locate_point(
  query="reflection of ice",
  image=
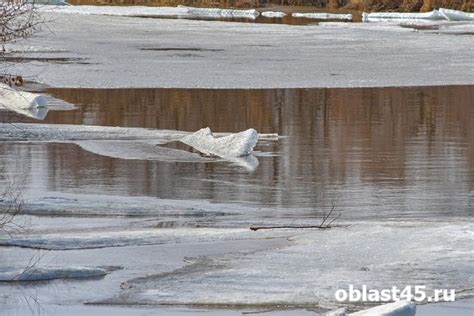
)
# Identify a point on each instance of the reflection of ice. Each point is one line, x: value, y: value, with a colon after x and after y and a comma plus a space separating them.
x: 36, y: 113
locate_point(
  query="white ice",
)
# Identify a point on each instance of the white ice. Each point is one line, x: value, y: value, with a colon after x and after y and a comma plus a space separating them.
x: 51, y: 273
x: 234, y: 145
x: 115, y: 10
x: 387, y: 16
x: 323, y: 16
x: 455, y: 15
x: 273, y: 14
x: 319, y: 262
x: 243, y: 55
x: 435, y: 15
x: 400, y: 308
x: 221, y: 13
x: 22, y: 102
x: 179, y: 11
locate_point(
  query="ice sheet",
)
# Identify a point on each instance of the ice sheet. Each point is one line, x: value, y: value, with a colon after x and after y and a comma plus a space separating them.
x: 51, y: 273
x: 273, y: 14
x: 401, y: 308
x: 455, y: 15
x: 221, y: 13
x: 387, y: 16
x: 323, y: 16
x: 317, y: 264
x: 282, y: 56
x: 115, y: 10
x: 22, y: 102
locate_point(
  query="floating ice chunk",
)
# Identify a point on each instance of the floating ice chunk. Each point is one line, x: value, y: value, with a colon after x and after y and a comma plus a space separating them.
x: 389, y: 16
x: 454, y: 15
x: 221, y: 13
x: 273, y: 14
x: 234, y: 145
x: 323, y: 16
x: 400, y: 308
x: 22, y: 102
x: 51, y: 273
x: 115, y: 10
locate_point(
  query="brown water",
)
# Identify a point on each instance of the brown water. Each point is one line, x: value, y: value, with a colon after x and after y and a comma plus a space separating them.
x: 374, y: 152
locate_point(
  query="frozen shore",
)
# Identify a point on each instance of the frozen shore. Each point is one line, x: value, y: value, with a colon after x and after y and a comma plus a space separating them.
x: 211, y: 54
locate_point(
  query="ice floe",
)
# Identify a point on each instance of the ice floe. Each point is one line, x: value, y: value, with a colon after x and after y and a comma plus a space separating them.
x: 273, y: 14
x: 22, y: 102
x: 400, y: 308
x: 50, y: 273
x: 318, y: 263
x: 141, y: 11
x: 144, y: 144
x: 115, y: 10
x: 234, y: 145
x: 455, y: 15
x: 221, y: 13
x: 323, y: 16
x: 131, y: 237
x: 441, y: 14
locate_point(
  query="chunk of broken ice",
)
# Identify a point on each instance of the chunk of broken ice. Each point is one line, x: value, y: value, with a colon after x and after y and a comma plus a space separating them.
x: 234, y: 145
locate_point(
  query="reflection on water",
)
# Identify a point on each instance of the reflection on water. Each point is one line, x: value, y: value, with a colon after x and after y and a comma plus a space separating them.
x: 384, y: 152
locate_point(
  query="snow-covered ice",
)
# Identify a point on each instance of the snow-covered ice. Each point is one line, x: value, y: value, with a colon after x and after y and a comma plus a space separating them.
x: 317, y: 263
x: 142, y: 11
x: 400, y: 308
x: 243, y: 55
x: 455, y: 15
x: 30, y: 274
x: 235, y: 145
x: 441, y: 14
x: 323, y: 16
x: 22, y: 102
x: 221, y: 13
x: 273, y: 14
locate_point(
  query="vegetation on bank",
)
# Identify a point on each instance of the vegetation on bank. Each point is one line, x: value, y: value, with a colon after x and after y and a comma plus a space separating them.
x: 362, y: 5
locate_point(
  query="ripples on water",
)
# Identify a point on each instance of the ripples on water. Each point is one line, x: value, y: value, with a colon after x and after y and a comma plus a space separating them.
x: 378, y: 153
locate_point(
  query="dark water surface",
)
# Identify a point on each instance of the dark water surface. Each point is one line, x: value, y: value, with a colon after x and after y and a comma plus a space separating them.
x: 374, y: 152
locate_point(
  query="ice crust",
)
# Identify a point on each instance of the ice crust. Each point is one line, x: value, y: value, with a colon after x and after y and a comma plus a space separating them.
x: 323, y: 16
x: 51, y: 273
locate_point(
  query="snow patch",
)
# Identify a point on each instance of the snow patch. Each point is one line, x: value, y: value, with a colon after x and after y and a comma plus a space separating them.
x: 51, y: 273
x: 323, y: 16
